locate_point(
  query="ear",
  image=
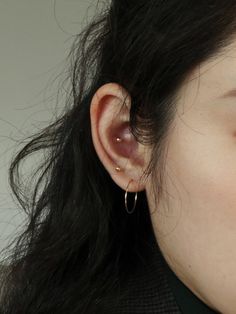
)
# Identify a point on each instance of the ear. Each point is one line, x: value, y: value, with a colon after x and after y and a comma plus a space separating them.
x: 109, y: 113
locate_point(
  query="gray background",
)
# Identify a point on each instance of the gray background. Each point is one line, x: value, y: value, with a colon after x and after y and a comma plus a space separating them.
x: 35, y: 38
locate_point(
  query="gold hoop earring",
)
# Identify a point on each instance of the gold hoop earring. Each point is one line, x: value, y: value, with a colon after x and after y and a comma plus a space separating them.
x: 118, y: 169
x: 135, y: 200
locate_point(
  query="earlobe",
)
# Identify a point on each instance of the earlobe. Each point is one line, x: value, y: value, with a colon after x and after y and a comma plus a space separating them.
x: 115, y: 145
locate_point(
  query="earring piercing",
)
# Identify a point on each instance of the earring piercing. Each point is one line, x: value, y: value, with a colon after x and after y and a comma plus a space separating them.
x: 118, y: 139
x: 135, y: 200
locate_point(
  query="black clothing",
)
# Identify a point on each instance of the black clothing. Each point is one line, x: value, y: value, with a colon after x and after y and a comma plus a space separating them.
x: 155, y: 289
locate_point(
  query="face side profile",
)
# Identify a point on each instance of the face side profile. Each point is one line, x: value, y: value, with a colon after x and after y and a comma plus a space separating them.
x: 195, y: 219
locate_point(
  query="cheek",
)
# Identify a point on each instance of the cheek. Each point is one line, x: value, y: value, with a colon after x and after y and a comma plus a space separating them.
x: 202, y: 168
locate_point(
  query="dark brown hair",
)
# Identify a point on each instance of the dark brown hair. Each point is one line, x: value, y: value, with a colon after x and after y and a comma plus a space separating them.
x: 79, y: 246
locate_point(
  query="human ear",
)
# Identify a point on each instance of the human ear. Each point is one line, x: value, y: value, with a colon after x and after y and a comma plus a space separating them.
x: 110, y: 121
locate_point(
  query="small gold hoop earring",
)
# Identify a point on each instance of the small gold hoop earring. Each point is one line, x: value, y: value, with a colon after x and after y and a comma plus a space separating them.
x: 135, y: 200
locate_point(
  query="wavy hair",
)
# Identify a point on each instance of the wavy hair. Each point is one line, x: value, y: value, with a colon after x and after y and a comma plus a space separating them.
x: 79, y: 247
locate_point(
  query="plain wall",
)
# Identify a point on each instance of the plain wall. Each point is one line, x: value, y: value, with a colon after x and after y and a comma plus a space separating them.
x: 35, y: 38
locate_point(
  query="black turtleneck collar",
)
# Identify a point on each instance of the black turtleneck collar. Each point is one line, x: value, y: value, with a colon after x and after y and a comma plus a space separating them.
x: 185, y: 298
x: 154, y: 288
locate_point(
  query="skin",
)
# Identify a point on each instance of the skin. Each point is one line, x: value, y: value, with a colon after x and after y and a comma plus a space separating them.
x: 195, y: 220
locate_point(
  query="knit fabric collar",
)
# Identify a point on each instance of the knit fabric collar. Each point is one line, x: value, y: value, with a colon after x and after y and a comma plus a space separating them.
x: 155, y: 289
